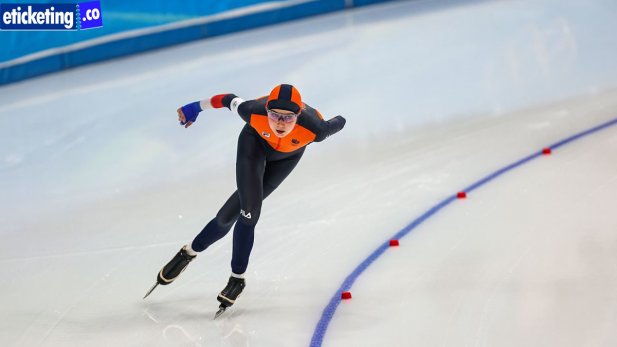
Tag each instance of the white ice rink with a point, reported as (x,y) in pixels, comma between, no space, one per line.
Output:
(100,186)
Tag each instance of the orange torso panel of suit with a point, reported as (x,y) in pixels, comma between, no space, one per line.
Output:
(296,139)
(303,133)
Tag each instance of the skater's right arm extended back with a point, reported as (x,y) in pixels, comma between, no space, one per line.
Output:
(188,113)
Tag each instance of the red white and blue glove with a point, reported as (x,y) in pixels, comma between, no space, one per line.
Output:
(188,113)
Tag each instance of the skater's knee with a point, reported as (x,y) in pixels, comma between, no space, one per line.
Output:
(226,220)
(249,215)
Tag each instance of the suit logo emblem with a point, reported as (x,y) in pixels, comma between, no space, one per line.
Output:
(265,134)
(295,142)
(247,216)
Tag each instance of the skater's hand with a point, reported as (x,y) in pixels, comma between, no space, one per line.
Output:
(342,121)
(187,114)
(182,119)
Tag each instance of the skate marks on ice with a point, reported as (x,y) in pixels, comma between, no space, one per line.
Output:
(62,307)
(197,327)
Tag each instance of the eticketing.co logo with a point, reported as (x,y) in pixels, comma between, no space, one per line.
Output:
(84,15)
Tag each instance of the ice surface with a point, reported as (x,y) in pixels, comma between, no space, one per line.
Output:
(99,186)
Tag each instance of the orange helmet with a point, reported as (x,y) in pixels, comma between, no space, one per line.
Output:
(285,97)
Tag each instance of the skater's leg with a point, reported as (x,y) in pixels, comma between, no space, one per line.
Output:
(250,199)
(275,172)
(244,236)
(219,226)
(250,167)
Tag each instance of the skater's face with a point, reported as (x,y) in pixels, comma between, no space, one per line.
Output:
(281,122)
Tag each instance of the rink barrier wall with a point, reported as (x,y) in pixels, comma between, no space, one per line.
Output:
(142,40)
(329,311)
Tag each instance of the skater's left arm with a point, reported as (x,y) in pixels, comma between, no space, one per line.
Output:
(329,127)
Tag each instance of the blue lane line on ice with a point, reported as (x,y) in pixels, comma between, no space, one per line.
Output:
(330,309)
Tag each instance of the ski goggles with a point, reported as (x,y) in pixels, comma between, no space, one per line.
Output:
(286,118)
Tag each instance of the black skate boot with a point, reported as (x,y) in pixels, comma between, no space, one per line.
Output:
(228,296)
(173,269)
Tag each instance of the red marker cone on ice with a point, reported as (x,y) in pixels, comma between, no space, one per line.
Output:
(547,151)
(346,295)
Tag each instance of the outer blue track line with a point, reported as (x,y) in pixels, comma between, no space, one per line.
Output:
(328,312)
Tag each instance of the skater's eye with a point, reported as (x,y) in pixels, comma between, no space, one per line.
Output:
(287,118)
